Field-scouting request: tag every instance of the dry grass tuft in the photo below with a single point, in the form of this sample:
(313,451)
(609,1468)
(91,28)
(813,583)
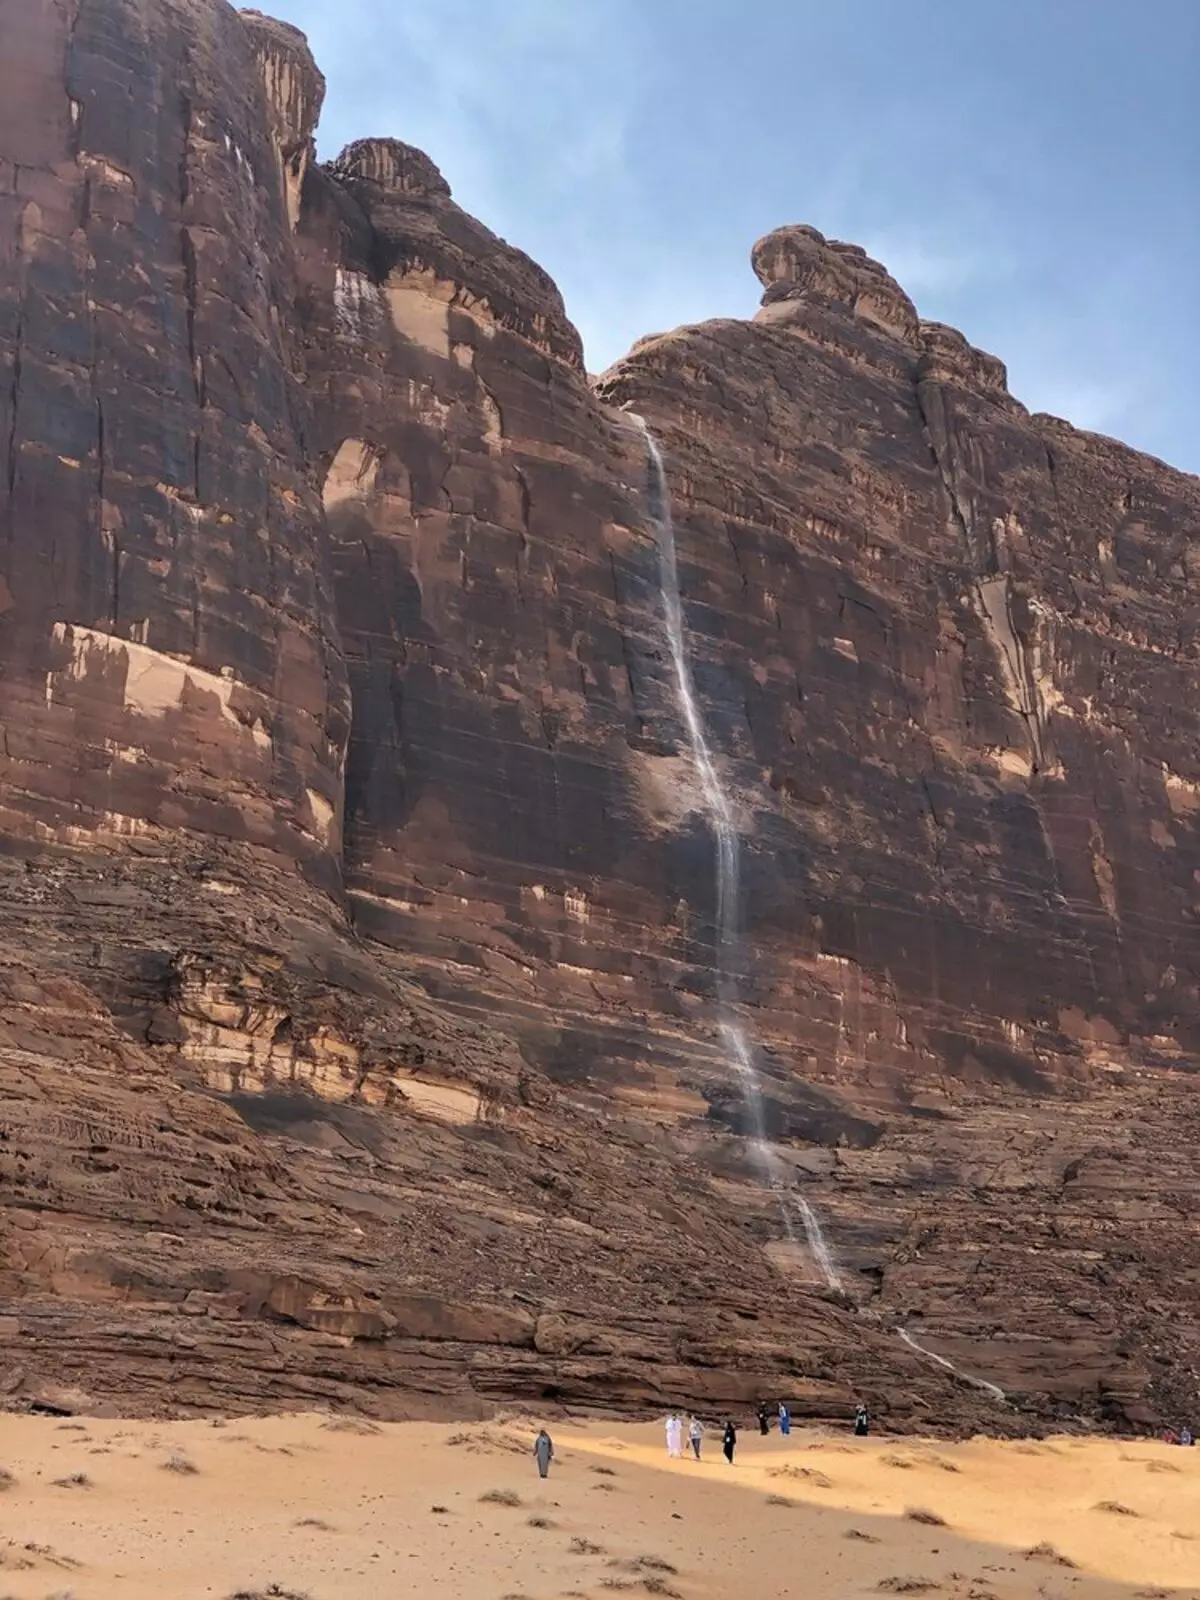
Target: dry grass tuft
(603,1472)
(780,1500)
(440,1511)
(540,1522)
(500,1497)
(863,1538)
(74,1480)
(812,1475)
(923,1515)
(894,1460)
(585,1547)
(1115,1508)
(606,1487)
(360,1425)
(646,1564)
(930,1458)
(316,1522)
(652,1584)
(1162,1466)
(908,1585)
(178,1462)
(273,1591)
(1047,1552)
(7,1480)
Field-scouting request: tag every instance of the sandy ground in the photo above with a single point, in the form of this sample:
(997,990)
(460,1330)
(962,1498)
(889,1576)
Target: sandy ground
(338,1510)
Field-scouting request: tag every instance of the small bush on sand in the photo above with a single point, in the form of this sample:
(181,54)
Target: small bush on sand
(810,1475)
(319,1523)
(780,1500)
(645,1564)
(539,1522)
(1115,1508)
(7,1481)
(74,1480)
(907,1585)
(923,1515)
(863,1538)
(500,1497)
(1161,1466)
(1047,1552)
(604,1472)
(178,1462)
(440,1511)
(585,1547)
(359,1425)
(897,1461)
(273,1591)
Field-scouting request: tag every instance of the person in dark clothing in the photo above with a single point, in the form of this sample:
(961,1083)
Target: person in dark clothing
(764,1420)
(543,1452)
(729,1443)
(861,1421)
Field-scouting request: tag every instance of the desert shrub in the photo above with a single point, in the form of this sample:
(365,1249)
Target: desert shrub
(1047,1552)
(500,1497)
(923,1515)
(359,1425)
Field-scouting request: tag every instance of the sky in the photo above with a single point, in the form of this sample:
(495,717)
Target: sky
(1028,169)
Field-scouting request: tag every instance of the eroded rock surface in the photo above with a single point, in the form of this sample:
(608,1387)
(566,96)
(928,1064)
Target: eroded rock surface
(357,1019)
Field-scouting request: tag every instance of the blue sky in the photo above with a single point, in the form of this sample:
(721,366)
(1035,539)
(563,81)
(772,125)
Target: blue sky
(1028,169)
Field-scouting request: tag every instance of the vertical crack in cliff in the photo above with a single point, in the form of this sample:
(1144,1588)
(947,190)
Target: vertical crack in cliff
(15,395)
(191,290)
(626,653)
(991,588)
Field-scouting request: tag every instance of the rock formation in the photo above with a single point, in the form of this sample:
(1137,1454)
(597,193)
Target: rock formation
(358,1034)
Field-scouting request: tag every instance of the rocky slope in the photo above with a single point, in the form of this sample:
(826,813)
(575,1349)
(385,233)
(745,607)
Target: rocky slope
(359,1038)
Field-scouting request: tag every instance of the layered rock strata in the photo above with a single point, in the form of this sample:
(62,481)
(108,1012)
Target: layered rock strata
(357,1013)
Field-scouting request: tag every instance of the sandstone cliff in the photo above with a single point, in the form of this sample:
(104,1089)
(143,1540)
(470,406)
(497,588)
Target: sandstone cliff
(357,948)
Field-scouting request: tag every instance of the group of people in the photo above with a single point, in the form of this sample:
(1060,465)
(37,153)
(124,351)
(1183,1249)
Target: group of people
(695,1434)
(1184,1436)
(693,1430)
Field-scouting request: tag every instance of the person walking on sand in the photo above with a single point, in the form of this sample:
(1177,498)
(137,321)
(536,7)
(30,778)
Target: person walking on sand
(764,1420)
(862,1421)
(695,1434)
(674,1436)
(785,1420)
(729,1443)
(543,1453)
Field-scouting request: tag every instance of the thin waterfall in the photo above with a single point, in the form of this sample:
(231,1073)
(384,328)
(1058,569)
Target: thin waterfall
(993,1389)
(728,842)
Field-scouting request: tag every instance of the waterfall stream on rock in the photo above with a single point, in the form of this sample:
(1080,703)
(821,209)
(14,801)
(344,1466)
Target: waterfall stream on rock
(722,818)
(993,1389)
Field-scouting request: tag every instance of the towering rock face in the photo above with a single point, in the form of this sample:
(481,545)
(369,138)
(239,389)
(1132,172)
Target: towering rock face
(948,646)
(358,927)
(168,647)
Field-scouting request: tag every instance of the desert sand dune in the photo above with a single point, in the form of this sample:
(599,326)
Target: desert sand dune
(336,1509)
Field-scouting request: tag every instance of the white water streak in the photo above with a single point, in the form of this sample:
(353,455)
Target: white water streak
(993,1389)
(728,866)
